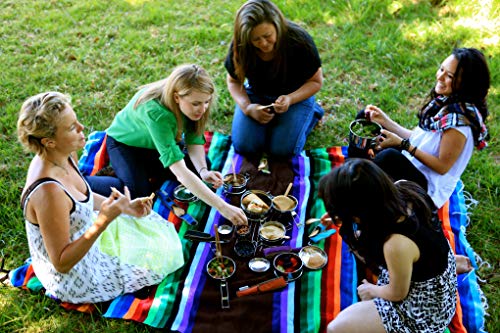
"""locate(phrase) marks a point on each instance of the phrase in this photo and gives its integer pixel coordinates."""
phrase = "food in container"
(235, 183)
(259, 264)
(272, 231)
(243, 230)
(222, 268)
(289, 265)
(313, 257)
(244, 248)
(256, 203)
(225, 230)
(363, 134)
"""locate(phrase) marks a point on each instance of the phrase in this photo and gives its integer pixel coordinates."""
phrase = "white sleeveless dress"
(99, 276)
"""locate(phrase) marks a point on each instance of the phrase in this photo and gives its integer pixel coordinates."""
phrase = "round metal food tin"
(244, 248)
(289, 265)
(272, 232)
(235, 183)
(363, 134)
(313, 257)
(259, 265)
(259, 210)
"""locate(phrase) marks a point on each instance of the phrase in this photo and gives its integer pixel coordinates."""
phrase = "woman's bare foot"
(463, 264)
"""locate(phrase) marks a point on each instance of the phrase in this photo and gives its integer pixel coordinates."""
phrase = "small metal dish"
(313, 257)
(244, 248)
(259, 265)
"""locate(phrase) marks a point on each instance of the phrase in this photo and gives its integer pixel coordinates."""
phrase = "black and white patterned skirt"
(429, 306)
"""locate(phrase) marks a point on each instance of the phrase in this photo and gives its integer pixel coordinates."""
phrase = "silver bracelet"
(199, 171)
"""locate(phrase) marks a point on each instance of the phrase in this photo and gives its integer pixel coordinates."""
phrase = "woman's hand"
(212, 177)
(234, 214)
(138, 207)
(113, 206)
(375, 114)
(261, 115)
(282, 104)
(388, 139)
(367, 290)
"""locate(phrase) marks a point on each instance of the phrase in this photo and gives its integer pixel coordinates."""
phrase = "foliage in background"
(378, 52)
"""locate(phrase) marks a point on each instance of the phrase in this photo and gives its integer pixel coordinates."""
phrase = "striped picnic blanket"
(189, 301)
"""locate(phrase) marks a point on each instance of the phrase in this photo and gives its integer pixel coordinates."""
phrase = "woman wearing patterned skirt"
(394, 230)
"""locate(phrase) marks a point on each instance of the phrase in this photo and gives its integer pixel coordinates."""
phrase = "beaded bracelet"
(405, 144)
(201, 169)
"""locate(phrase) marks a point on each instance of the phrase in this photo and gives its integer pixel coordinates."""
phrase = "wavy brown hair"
(38, 119)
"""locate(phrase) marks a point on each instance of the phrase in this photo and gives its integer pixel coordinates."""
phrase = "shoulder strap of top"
(36, 184)
(33, 186)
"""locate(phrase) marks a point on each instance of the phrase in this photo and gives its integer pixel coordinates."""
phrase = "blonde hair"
(183, 80)
(38, 119)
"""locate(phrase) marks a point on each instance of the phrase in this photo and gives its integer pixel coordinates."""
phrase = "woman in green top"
(144, 140)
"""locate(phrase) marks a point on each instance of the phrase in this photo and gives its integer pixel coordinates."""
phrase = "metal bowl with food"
(363, 134)
(284, 204)
(313, 257)
(289, 265)
(256, 204)
(272, 232)
(225, 231)
(244, 248)
(221, 269)
(235, 183)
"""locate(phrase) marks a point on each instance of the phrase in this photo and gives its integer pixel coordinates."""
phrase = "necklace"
(59, 166)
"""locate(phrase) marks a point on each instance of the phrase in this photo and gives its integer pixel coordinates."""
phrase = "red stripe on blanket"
(331, 280)
(139, 308)
(29, 274)
(101, 157)
(456, 325)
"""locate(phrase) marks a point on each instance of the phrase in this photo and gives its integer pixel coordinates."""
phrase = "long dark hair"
(471, 81)
(251, 14)
(359, 189)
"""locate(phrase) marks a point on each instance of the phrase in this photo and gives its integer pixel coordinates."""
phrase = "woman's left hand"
(213, 177)
(388, 139)
(282, 103)
(138, 207)
(366, 291)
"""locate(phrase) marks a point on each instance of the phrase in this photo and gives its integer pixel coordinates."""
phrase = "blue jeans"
(140, 169)
(284, 136)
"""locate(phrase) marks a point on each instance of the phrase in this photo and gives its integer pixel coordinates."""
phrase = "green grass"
(379, 52)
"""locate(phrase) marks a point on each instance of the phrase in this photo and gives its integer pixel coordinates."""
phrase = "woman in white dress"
(62, 228)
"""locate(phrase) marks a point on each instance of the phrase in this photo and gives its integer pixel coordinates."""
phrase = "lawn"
(378, 52)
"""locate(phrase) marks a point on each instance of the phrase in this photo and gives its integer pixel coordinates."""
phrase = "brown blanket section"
(250, 313)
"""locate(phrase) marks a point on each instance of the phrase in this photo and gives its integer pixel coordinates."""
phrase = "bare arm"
(451, 145)
(195, 185)
(400, 253)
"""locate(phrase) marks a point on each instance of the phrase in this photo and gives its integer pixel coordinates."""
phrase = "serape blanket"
(189, 301)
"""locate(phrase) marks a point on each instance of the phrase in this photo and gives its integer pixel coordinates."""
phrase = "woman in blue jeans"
(274, 71)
